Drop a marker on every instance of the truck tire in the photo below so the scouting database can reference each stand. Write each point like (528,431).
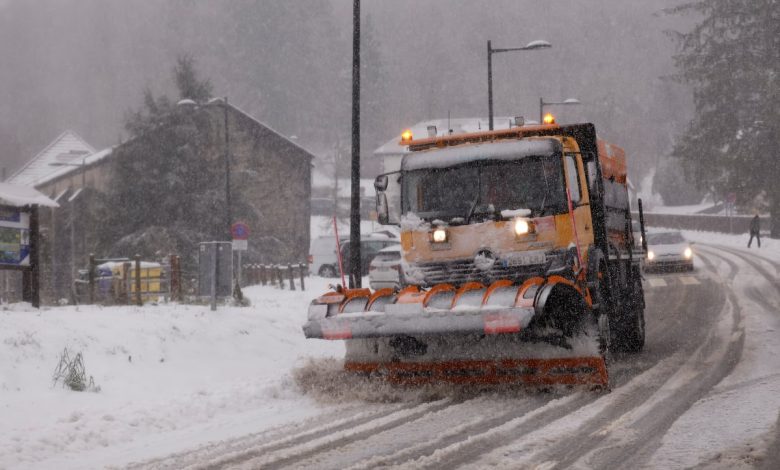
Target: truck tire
(630,328)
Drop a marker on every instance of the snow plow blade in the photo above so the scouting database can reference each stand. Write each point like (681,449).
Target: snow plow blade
(538,333)
(561,371)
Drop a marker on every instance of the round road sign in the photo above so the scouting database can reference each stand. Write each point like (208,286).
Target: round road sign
(240,231)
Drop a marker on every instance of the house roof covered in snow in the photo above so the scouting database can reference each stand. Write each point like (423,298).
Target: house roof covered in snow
(18,195)
(68,149)
(458,126)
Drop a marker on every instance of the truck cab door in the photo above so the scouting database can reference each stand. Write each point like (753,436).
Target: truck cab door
(575,182)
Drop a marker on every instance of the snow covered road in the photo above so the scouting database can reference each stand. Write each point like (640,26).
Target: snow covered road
(704,392)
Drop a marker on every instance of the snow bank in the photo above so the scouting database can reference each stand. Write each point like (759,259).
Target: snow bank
(165,372)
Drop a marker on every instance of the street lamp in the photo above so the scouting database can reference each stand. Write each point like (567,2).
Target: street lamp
(223,102)
(533,45)
(543,103)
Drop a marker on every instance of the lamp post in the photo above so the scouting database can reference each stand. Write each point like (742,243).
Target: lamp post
(543,103)
(533,45)
(355,280)
(223,103)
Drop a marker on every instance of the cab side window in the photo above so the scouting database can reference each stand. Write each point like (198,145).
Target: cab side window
(572,178)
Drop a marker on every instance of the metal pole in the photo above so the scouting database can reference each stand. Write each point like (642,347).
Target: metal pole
(541,110)
(228,208)
(355,279)
(490,85)
(82,206)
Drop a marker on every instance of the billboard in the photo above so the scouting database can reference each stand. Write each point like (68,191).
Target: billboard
(14,237)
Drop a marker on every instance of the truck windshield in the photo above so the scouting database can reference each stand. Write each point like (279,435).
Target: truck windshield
(486,188)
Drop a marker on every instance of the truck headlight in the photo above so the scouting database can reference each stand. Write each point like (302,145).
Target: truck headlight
(688,253)
(522,227)
(650,255)
(439,235)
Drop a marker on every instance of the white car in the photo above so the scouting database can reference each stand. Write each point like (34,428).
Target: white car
(668,249)
(385,269)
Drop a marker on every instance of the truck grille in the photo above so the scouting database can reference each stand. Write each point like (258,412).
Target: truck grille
(461,271)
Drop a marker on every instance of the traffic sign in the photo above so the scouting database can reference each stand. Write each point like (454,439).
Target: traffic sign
(240,231)
(240,245)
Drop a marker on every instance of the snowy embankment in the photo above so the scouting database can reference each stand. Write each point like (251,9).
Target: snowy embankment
(171,376)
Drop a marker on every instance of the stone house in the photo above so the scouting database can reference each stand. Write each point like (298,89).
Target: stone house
(269,172)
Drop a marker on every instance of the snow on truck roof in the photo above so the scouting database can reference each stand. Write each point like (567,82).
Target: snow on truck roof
(501,150)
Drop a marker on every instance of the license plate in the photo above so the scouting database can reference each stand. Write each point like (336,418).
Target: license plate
(526,259)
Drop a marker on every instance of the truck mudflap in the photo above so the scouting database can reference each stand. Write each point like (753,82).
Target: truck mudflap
(535,333)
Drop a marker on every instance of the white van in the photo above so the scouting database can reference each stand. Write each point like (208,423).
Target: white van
(322,256)
(323,260)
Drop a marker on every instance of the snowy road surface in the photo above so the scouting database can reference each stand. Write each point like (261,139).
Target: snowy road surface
(704,393)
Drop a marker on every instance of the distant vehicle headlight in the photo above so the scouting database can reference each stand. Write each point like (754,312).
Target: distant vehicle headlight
(688,253)
(650,255)
(522,227)
(439,235)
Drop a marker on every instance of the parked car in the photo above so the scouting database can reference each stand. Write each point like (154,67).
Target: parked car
(369,247)
(668,249)
(385,269)
(322,256)
(324,262)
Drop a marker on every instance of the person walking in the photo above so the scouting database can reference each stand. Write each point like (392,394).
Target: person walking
(755,228)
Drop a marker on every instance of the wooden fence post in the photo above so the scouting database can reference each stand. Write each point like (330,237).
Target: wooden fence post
(138,300)
(291,276)
(262,274)
(91,277)
(301,271)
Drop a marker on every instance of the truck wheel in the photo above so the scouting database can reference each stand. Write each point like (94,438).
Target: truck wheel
(327,271)
(630,336)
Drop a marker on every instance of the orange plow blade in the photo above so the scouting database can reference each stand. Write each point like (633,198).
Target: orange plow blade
(556,371)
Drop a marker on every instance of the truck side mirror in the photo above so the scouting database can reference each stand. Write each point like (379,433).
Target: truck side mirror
(382,212)
(380,183)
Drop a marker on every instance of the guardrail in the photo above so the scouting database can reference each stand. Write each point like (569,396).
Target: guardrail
(737,224)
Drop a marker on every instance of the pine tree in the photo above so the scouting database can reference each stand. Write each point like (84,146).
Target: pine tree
(165,192)
(187,81)
(732,60)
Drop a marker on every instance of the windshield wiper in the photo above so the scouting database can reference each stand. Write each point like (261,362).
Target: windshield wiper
(471,209)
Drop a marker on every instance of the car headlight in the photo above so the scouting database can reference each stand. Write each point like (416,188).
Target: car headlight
(439,236)
(522,226)
(650,255)
(688,253)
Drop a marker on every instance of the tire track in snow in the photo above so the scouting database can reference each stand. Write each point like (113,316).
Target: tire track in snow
(312,428)
(427,433)
(287,452)
(712,361)
(647,395)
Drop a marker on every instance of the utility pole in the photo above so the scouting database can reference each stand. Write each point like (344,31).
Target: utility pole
(355,280)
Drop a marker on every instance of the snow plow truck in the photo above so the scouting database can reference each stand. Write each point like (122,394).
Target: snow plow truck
(519,261)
